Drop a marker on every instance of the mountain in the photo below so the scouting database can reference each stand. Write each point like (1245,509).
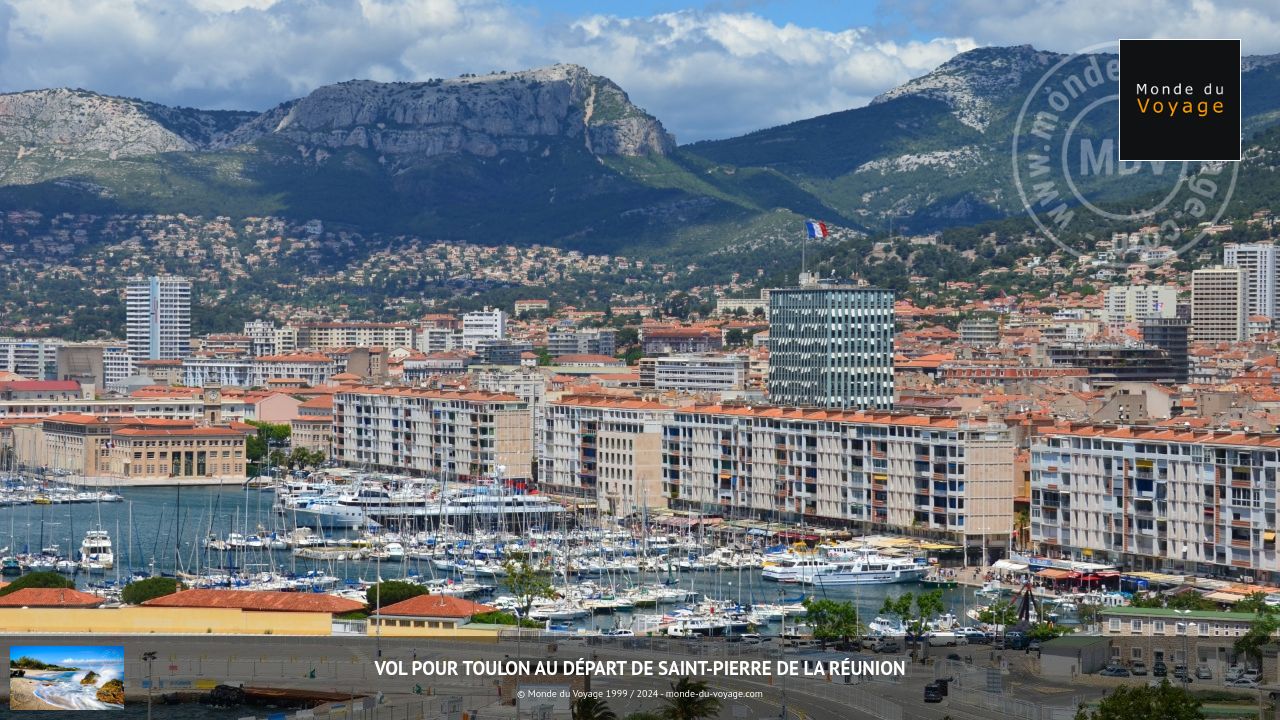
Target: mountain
(557,156)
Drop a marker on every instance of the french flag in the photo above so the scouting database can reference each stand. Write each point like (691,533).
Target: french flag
(816,229)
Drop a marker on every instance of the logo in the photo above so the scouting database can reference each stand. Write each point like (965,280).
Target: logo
(1070,179)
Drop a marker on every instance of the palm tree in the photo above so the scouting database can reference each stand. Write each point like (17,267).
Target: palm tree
(591,708)
(689,700)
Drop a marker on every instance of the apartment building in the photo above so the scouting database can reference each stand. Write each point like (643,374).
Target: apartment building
(354,334)
(474,436)
(1219,304)
(606,451)
(707,372)
(591,341)
(486,324)
(1174,499)
(33,359)
(312,369)
(878,471)
(312,427)
(1126,304)
(159,318)
(980,331)
(1259,262)
(676,340)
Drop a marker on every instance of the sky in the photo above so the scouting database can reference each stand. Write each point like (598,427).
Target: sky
(70,655)
(707,69)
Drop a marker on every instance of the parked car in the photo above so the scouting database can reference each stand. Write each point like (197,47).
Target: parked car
(955,656)
(1113,671)
(1180,672)
(1159,669)
(974,636)
(932,693)
(1252,675)
(946,639)
(1233,672)
(1241,682)
(1034,646)
(887,645)
(1137,667)
(1203,672)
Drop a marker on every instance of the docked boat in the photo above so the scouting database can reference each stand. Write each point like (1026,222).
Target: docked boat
(866,568)
(96,552)
(792,569)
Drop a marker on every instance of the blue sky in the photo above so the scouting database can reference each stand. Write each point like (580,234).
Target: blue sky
(70,655)
(707,69)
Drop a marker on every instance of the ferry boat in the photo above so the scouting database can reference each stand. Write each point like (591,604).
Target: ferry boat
(95,551)
(791,569)
(868,568)
(375,505)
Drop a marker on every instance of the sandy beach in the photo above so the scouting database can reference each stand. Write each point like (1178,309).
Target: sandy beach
(22,694)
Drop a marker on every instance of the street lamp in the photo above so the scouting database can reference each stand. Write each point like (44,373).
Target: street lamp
(1186,659)
(149,658)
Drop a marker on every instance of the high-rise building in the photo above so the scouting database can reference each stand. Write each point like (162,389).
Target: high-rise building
(1126,304)
(591,341)
(1218,304)
(1170,334)
(831,346)
(1259,261)
(159,318)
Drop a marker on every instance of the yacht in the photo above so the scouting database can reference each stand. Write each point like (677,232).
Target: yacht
(868,568)
(792,569)
(95,551)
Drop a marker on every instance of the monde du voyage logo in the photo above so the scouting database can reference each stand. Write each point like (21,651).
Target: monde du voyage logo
(1131,135)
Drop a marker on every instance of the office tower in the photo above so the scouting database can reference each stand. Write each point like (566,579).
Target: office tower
(1258,260)
(1218,304)
(831,346)
(159,318)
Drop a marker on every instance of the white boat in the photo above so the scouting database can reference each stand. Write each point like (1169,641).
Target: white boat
(791,569)
(95,551)
(866,568)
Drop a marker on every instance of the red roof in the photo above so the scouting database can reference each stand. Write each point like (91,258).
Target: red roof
(40,386)
(257,600)
(436,606)
(49,597)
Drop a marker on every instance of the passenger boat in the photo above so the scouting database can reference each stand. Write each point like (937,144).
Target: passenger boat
(867,568)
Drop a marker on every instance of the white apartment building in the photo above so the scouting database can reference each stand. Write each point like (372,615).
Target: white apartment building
(605,451)
(486,324)
(198,371)
(528,385)
(312,369)
(878,470)
(1178,500)
(471,436)
(32,358)
(438,339)
(1128,304)
(702,372)
(1259,261)
(354,334)
(1219,304)
(159,318)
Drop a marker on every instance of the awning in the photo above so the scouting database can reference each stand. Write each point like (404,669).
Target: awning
(1268,535)
(757,531)
(1224,597)
(1054,574)
(1008,565)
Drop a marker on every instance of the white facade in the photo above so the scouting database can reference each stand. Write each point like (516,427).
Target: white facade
(159,318)
(1125,304)
(1259,261)
(695,372)
(487,324)
(33,359)
(437,339)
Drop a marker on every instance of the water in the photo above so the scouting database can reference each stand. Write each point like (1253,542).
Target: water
(164,529)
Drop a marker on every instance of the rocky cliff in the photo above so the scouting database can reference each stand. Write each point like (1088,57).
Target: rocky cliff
(477,115)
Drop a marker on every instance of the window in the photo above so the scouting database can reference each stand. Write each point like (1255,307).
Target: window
(1135,625)
(1136,653)
(1114,625)
(1159,627)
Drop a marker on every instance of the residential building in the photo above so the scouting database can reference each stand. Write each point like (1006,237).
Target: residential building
(1160,498)
(871,470)
(744,306)
(1110,363)
(502,352)
(591,341)
(1172,335)
(706,372)
(33,359)
(438,339)
(312,427)
(605,451)
(675,340)
(528,385)
(1127,304)
(1259,261)
(486,324)
(469,435)
(831,346)
(319,335)
(263,338)
(313,369)
(980,331)
(1219,304)
(41,390)
(159,318)
(1171,636)
(522,307)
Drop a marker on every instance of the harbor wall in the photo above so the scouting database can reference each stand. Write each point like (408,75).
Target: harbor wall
(169,621)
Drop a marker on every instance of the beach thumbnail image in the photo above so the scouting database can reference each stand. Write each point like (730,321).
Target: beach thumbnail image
(66,677)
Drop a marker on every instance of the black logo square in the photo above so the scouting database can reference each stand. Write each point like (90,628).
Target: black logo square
(1179,100)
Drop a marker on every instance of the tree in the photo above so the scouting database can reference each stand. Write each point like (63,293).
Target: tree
(38,580)
(1255,603)
(1260,633)
(390,592)
(140,591)
(927,604)
(1167,702)
(268,433)
(1190,601)
(526,581)
(735,337)
(689,700)
(831,620)
(588,707)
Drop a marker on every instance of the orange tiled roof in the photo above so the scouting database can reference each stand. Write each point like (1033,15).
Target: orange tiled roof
(257,600)
(436,606)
